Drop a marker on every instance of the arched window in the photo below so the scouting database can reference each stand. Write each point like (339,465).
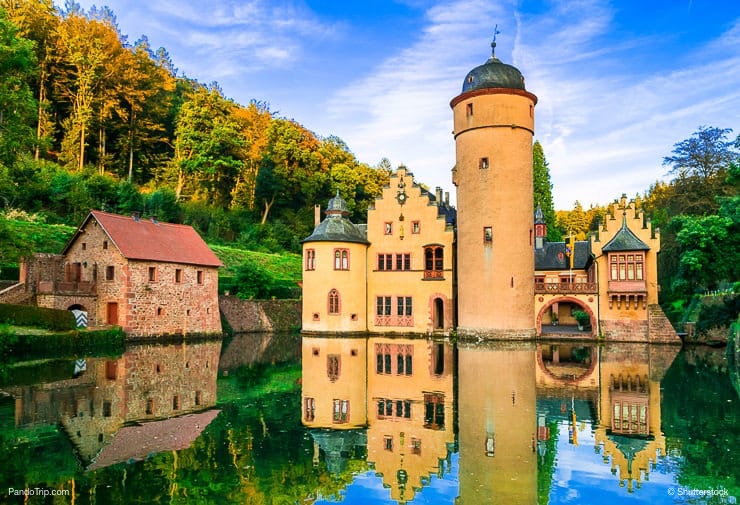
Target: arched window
(341,259)
(433,262)
(334,302)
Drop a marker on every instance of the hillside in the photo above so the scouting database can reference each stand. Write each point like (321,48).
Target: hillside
(23,237)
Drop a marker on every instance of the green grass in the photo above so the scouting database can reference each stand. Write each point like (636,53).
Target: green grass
(284,266)
(51,238)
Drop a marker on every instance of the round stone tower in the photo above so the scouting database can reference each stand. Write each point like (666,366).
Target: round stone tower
(493,129)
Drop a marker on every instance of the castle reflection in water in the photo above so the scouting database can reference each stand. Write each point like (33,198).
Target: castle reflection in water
(418,405)
(463,423)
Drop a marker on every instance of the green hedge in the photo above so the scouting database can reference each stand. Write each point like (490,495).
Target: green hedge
(29,315)
(76,343)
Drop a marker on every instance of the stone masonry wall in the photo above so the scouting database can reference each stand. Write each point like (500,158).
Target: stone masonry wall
(261,315)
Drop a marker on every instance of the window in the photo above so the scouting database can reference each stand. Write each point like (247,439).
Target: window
(160,311)
(152,274)
(433,262)
(394,408)
(488,234)
(383,305)
(107,409)
(403,306)
(415,227)
(341,259)
(149,406)
(383,361)
(389,228)
(309,409)
(199,276)
(310,259)
(176,402)
(110,272)
(627,267)
(340,411)
(388,443)
(105,244)
(469,109)
(400,261)
(178,275)
(483,163)
(434,411)
(198,397)
(332,366)
(403,261)
(84,246)
(385,261)
(334,302)
(415,446)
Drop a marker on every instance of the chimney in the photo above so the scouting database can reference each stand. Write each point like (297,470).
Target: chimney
(438,192)
(447,197)
(316,215)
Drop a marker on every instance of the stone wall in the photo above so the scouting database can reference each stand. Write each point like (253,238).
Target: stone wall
(624,330)
(660,329)
(261,315)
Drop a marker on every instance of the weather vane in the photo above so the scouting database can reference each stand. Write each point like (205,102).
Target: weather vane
(493,44)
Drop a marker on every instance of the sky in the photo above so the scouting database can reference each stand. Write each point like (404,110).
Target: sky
(619,82)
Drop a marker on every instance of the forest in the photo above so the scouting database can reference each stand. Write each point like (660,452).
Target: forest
(90,120)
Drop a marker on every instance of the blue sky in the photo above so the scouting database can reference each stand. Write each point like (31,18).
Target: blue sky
(619,82)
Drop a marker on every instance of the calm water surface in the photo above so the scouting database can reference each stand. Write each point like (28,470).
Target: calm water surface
(273,419)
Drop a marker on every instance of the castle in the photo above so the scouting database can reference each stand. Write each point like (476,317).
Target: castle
(482,270)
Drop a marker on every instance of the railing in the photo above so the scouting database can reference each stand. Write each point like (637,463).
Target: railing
(434,274)
(394,321)
(565,287)
(78,287)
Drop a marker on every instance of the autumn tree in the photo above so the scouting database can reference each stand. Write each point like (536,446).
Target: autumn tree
(89,58)
(253,122)
(145,92)
(293,172)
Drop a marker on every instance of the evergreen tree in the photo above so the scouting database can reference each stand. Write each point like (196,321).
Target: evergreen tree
(543,191)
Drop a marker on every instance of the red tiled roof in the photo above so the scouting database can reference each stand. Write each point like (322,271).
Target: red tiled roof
(149,240)
(139,441)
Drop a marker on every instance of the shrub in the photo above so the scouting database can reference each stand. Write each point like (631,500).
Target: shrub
(27,315)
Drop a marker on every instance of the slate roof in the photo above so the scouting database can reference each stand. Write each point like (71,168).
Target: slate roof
(150,240)
(625,240)
(552,256)
(493,74)
(336,226)
(443,208)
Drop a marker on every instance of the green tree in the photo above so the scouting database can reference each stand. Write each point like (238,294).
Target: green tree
(17,106)
(543,191)
(293,171)
(38,21)
(700,165)
(209,147)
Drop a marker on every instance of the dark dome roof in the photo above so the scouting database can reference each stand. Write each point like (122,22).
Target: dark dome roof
(493,74)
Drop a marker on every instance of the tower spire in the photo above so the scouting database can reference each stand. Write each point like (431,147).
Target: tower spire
(493,43)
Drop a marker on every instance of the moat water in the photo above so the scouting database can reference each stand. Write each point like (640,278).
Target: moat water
(279,419)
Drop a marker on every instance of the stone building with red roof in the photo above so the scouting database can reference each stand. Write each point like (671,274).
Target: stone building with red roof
(148,277)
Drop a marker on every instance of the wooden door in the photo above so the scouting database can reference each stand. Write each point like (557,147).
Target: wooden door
(112,313)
